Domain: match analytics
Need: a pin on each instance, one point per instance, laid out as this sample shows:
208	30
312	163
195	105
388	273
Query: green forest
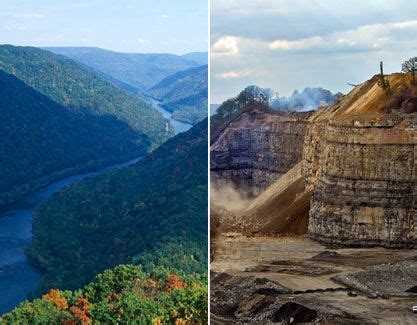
42	140
81	88
122	295
184	94
58	117
153	214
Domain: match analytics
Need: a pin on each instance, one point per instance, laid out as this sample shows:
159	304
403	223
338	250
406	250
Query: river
18	277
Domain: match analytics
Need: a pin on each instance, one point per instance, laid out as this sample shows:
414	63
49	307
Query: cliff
255	146
360	160
357	185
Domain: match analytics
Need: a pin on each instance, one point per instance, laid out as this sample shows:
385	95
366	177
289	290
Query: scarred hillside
358	167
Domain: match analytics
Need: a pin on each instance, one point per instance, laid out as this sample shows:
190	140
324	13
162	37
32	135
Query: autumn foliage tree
55	297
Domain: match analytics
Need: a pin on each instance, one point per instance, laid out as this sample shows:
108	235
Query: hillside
356	181
42	140
310	237
140	71
66	118
153	213
185	94
74	85
199	57
125	294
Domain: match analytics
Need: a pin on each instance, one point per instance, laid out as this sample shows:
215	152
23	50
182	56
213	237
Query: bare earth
278	278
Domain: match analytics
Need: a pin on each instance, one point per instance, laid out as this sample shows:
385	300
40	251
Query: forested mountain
200	57
41	140
140	71
153	213
58	117
184	93
74	85
125	295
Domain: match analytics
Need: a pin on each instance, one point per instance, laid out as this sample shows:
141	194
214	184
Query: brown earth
253	278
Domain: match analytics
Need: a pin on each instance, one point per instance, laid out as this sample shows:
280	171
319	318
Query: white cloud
297	44
232	74
362	38
226	45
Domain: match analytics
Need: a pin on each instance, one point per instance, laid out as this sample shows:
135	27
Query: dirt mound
292	312
282	208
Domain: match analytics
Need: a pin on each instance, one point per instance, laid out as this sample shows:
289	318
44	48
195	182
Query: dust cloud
229	197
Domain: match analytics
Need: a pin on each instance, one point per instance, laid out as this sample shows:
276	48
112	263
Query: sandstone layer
361	165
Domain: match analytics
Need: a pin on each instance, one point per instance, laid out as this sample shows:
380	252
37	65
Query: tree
410	66
383	82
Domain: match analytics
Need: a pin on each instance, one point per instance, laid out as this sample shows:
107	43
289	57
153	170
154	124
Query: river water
18	277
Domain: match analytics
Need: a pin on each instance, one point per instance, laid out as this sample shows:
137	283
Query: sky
158	26
293	44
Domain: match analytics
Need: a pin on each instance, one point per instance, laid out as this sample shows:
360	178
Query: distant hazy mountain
140	71
184	94
199	57
57	115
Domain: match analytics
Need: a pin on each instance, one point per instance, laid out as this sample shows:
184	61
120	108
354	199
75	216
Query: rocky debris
292	312
326	255
396	279
249	299
237	297
292	267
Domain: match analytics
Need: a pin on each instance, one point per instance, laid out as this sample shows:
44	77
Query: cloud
28	15
232	74
298	44
361	38
226	45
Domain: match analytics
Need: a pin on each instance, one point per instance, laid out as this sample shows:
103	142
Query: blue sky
292	44
121	25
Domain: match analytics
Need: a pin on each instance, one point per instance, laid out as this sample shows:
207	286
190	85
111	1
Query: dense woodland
153	213
123	295
58	117
184	94
42	140
76	86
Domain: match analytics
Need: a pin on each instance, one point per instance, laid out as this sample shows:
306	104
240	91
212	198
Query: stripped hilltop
355	183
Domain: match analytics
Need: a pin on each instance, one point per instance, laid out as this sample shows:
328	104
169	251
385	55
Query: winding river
18	277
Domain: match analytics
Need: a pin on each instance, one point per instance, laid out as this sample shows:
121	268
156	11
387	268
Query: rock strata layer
256	148
361	164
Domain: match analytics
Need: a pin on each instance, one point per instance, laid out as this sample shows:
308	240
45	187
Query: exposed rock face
362	166
256	147
358	163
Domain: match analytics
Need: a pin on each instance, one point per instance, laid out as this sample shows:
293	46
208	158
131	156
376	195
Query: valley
17	275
